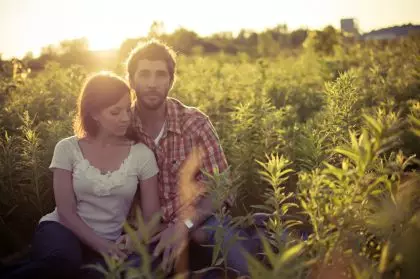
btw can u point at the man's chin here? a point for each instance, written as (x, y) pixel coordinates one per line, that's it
(152, 105)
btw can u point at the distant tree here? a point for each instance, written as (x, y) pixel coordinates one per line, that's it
(280, 28)
(49, 52)
(1, 63)
(75, 46)
(126, 48)
(157, 29)
(183, 40)
(29, 56)
(267, 45)
(224, 41)
(323, 41)
(297, 37)
(209, 47)
(74, 52)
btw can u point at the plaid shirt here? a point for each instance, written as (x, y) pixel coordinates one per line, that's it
(186, 127)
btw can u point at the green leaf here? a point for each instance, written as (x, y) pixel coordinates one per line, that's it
(373, 123)
(256, 268)
(286, 172)
(217, 248)
(262, 207)
(268, 251)
(292, 223)
(97, 267)
(381, 179)
(384, 258)
(290, 254)
(348, 153)
(416, 132)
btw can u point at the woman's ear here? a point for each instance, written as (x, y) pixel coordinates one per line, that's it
(95, 116)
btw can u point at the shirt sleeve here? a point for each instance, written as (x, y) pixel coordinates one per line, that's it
(214, 157)
(62, 156)
(148, 164)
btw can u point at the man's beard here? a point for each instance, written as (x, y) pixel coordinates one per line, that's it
(155, 102)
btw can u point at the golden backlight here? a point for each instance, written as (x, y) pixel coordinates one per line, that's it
(30, 25)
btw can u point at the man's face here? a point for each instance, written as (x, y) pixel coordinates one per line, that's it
(151, 81)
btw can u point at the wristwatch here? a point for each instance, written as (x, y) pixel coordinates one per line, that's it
(189, 224)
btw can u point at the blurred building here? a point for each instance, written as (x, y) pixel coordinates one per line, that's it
(350, 25)
(393, 32)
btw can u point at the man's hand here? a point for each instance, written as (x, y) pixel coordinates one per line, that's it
(172, 241)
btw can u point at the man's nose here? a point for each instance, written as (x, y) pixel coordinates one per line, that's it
(152, 81)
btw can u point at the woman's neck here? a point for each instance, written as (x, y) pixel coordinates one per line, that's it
(104, 140)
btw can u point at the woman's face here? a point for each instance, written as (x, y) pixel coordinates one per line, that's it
(114, 120)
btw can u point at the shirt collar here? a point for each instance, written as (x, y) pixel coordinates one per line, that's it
(173, 116)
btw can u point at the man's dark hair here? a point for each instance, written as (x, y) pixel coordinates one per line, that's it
(152, 50)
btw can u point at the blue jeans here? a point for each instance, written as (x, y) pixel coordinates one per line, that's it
(200, 257)
(58, 253)
(234, 250)
(55, 253)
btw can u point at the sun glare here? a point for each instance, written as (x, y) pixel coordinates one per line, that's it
(102, 42)
(27, 26)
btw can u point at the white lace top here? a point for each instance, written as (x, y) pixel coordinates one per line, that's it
(103, 200)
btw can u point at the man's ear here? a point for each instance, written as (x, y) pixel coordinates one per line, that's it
(171, 83)
(131, 82)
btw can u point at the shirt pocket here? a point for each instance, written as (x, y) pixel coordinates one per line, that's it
(172, 168)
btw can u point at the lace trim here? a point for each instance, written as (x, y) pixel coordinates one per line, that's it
(103, 183)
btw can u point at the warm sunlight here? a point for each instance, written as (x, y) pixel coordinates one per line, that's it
(103, 40)
(30, 25)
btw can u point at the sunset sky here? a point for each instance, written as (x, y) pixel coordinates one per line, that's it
(28, 25)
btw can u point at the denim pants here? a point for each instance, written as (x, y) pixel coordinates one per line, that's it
(234, 249)
(58, 253)
(200, 256)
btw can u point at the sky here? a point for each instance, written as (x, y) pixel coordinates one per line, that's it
(29, 25)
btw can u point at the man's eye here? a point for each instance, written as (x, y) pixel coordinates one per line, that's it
(114, 112)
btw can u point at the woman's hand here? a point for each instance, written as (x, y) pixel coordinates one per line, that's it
(111, 249)
(125, 243)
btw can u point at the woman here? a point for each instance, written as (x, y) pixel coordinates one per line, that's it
(96, 173)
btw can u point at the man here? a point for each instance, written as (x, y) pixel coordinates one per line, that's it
(172, 130)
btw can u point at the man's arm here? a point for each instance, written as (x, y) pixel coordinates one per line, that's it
(198, 203)
(210, 158)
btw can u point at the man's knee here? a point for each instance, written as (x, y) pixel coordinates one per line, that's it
(217, 229)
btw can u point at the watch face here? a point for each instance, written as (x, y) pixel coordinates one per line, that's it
(188, 223)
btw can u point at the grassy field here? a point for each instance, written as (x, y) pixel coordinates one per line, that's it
(329, 140)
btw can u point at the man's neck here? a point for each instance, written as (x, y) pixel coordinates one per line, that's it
(152, 120)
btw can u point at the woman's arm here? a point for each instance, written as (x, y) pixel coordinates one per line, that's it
(149, 195)
(67, 210)
(150, 206)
